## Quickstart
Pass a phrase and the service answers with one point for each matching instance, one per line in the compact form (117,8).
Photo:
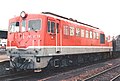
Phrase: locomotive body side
(71,38)
(38,40)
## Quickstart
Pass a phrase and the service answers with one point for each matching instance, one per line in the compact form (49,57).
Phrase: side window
(94,35)
(87,34)
(71,31)
(91,34)
(77,31)
(82,33)
(97,35)
(57,28)
(102,39)
(51,27)
(34,24)
(66,30)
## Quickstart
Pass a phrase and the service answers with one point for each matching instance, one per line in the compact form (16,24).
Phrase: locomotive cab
(25,30)
(26,41)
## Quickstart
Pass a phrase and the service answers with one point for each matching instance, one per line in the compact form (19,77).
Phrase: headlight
(23,14)
(37,59)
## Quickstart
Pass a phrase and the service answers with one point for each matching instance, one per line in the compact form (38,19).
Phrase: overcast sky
(104,14)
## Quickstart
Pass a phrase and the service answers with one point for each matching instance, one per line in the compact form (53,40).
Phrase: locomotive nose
(26,39)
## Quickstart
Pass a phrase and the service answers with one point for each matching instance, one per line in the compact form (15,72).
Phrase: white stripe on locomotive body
(71,21)
(64,50)
(47,52)
(8,47)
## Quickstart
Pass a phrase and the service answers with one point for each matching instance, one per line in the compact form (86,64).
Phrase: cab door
(58,48)
(53,31)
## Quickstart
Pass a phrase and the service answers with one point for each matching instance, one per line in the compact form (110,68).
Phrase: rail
(101,73)
(113,79)
(16,76)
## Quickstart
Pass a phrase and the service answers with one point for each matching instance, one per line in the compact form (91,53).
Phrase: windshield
(34,25)
(23,25)
(14,27)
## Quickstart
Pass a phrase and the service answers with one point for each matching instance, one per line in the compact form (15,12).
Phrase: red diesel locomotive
(42,40)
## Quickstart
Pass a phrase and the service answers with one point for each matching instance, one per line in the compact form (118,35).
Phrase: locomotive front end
(25,41)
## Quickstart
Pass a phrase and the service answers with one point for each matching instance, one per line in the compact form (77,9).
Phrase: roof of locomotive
(62,17)
(70,19)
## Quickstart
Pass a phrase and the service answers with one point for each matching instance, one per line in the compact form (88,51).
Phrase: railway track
(63,75)
(3,66)
(59,76)
(16,76)
(107,75)
(81,73)
(3,51)
(116,78)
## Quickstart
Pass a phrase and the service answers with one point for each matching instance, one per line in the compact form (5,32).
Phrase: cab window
(14,27)
(34,24)
(51,26)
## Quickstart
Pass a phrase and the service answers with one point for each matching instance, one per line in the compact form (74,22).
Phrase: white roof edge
(70,21)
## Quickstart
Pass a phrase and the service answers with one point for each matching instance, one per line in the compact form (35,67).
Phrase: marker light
(23,14)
